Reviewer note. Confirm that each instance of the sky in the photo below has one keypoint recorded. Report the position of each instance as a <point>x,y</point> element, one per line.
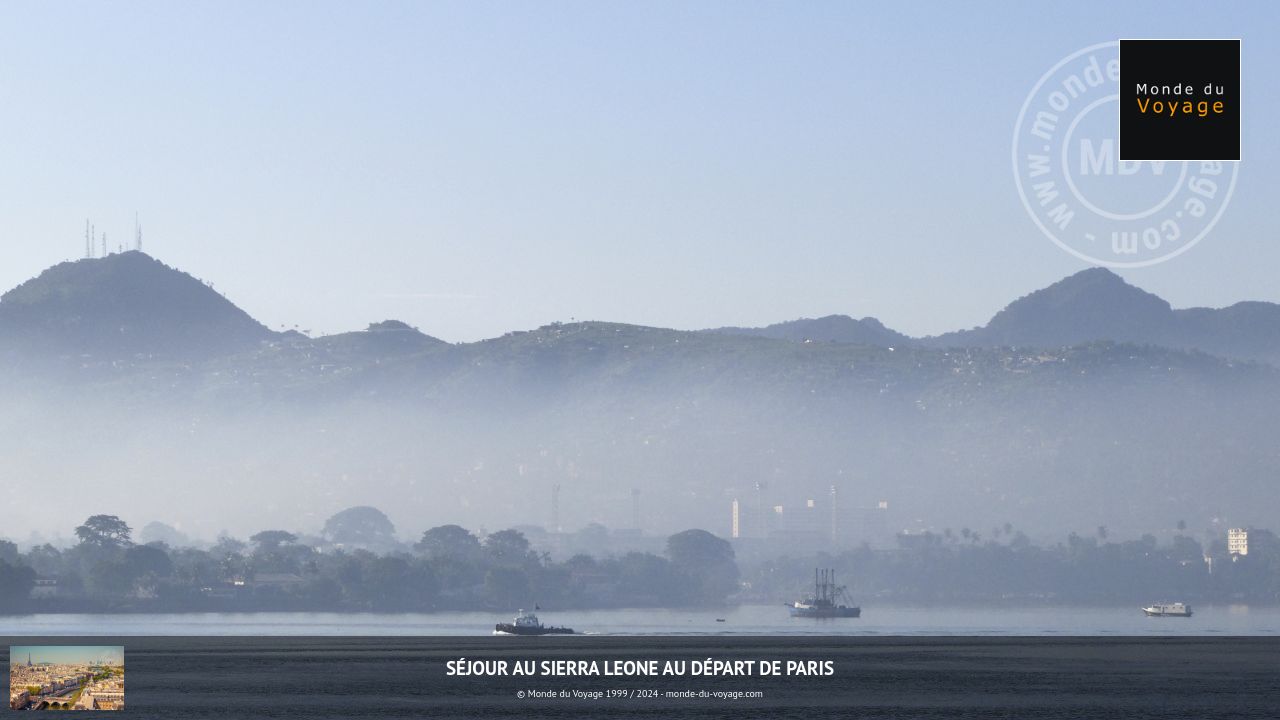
<point>66,654</point>
<point>474,168</point>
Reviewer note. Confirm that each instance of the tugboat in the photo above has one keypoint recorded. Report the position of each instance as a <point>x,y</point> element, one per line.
<point>825,600</point>
<point>1168,610</point>
<point>526,623</point>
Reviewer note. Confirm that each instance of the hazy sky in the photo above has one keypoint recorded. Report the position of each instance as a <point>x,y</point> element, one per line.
<point>473,168</point>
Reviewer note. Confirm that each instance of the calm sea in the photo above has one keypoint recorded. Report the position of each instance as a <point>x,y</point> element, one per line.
<point>754,620</point>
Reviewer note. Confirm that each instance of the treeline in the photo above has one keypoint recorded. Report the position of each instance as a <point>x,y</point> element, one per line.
<point>357,565</point>
<point>933,567</point>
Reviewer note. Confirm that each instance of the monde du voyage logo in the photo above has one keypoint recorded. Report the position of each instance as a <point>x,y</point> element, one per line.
<point>1124,152</point>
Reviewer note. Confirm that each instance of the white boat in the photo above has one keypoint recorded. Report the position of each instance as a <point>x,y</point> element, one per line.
<point>1168,610</point>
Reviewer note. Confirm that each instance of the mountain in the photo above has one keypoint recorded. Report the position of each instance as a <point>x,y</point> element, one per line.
<point>1097,305</point>
<point>1091,305</point>
<point>1094,305</point>
<point>1249,330</point>
<point>129,304</point>
<point>1014,422</point>
<point>122,306</point>
<point>832,328</point>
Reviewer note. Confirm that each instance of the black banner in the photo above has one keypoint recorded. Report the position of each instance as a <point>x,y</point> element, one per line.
<point>695,677</point>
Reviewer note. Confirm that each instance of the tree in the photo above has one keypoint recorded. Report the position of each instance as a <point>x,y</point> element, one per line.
<point>360,526</point>
<point>508,546</point>
<point>646,579</point>
<point>269,540</point>
<point>8,552</point>
<point>582,563</point>
<point>707,562</point>
<point>147,562</point>
<point>395,583</point>
<point>109,577</point>
<point>1186,549</point>
<point>507,587</point>
<point>45,559</point>
<point>16,582</point>
<point>227,545</point>
<point>698,548</point>
<point>194,567</point>
<point>276,551</point>
<point>105,531</point>
<point>156,531</point>
<point>448,541</point>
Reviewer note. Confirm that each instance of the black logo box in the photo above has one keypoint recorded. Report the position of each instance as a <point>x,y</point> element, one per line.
<point>1185,67</point>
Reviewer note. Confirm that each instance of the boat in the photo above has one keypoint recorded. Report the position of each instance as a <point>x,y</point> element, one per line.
<point>1167,610</point>
<point>827,601</point>
<point>526,623</point>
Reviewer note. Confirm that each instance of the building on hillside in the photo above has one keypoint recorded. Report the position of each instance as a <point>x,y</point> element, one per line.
<point>1238,541</point>
<point>1249,542</point>
<point>44,588</point>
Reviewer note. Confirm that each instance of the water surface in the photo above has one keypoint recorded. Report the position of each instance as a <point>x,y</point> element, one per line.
<point>743,620</point>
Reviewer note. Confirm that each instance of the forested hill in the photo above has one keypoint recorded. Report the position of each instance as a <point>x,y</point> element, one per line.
<point>1093,305</point>
<point>226,425</point>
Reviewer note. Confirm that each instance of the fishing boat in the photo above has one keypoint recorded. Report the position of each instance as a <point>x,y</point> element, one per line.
<point>827,601</point>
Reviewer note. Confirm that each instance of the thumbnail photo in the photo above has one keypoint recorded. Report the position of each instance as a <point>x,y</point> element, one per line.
<point>66,677</point>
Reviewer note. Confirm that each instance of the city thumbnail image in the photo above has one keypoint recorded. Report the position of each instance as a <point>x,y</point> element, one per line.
<point>66,677</point>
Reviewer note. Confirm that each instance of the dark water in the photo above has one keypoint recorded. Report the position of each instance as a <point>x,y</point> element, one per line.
<point>874,677</point>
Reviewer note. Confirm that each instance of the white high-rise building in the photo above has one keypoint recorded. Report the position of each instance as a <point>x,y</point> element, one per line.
<point>1238,541</point>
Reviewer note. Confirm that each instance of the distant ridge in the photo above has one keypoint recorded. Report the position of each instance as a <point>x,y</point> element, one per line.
<point>832,328</point>
<point>129,304</point>
<point>145,385</point>
<point>389,337</point>
<point>1093,305</point>
<point>123,305</point>
<point>1098,305</point>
